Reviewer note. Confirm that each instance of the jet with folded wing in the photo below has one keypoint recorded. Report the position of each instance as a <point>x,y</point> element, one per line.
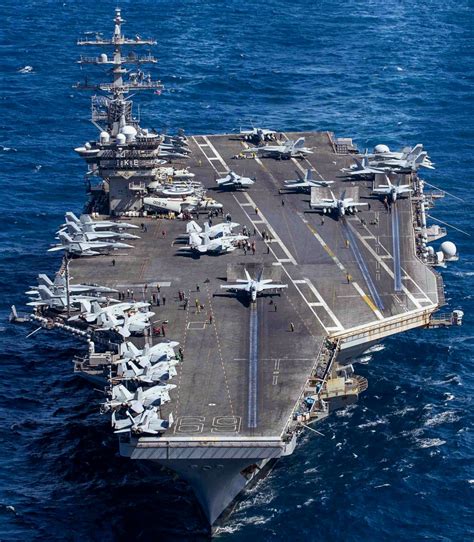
<point>304,184</point>
<point>218,230</point>
<point>257,135</point>
<point>362,168</point>
<point>85,248</point>
<point>86,220</point>
<point>253,286</point>
<point>218,245</point>
<point>339,206</point>
<point>290,149</point>
<point>148,422</point>
<point>139,400</point>
<point>233,181</point>
<point>44,297</point>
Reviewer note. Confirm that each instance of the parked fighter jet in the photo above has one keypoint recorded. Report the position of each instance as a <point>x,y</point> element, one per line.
<point>305,183</point>
<point>148,374</point>
<point>138,401</point>
<point>220,245</point>
<point>85,248</point>
<point>91,314</point>
<point>340,206</point>
<point>362,168</point>
<point>179,205</point>
<point>290,149</point>
<point>45,297</point>
<point>235,182</point>
<point>407,163</point>
<point>148,422</point>
<point>163,351</point>
<point>257,135</point>
<point>253,286</point>
<point>86,232</point>
<point>58,287</point>
<point>392,191</point>
<point>98,224</point>
<point>126,325</point>
<point>218,230</point>
<point>176,173</point>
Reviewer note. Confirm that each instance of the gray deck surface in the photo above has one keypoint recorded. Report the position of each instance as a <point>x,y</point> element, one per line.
<point>213,394</point>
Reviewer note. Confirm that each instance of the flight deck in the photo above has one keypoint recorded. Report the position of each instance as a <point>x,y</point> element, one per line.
<point>246,364</point>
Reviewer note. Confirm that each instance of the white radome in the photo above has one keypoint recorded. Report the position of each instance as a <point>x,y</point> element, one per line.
<point>449,249</point>
<point>128,130</point>
<point>120,139</point>
<point>381,149</point>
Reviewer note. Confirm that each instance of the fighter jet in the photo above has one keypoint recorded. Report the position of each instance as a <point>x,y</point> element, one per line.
<point>235,182</point>
<point>163,351</point>
<point>218,230</point>
<point>257,135</point>
<point>179,205</point>
<point>148,422</point>
<point>149,374</point>
<point>305,183</point>
<point>98,224</point>
<point>59,286</point>
<point>47,298</point>
<point>86,232</point>
<point>290,149</point>
<point>220,245</point>
<point>85,248</point>
<point>392,191</point>
<point>253,286</point>
<point>126,325</point>
<point>340,206</point>
<point>362,168</point>
<point>406,163</point>
<point>176,173</point>
<point>91,314</point>
<point>138,401</point>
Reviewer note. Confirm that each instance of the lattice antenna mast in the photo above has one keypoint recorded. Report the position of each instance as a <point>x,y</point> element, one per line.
<point>124,81</point>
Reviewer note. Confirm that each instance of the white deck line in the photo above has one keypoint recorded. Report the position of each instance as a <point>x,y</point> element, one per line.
<point>387,269</point>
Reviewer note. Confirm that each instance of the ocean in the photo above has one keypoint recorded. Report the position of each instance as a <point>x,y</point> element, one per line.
<point>395,466</point>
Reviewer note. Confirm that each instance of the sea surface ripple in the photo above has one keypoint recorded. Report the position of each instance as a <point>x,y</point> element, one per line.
<point>396,466</point>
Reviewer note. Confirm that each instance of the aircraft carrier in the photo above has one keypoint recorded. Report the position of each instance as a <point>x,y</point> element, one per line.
<point>251,375</point>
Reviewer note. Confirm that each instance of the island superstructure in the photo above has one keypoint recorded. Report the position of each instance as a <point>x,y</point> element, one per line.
<point>249,372</point>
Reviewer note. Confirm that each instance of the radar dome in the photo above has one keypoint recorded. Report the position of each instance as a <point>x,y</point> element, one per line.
<point>381,149</point>
<point>440,257</point>
<point>120,139</point>
<point>128,130</point>
<point>104,137</point>
<point>449,249</point>
<point>103,57</point>
<point>431,250</point>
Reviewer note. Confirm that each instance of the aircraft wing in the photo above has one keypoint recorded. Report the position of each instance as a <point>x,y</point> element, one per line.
<point>235,286</point>
<point>323,204</point>
<point>271,286</point>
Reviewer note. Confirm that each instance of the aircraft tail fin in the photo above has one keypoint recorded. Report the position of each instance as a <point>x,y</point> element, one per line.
<point>193,227</point>
<point>86,219</point>
<point>45,292</point>
<point>415,152</point>
<point>195,240</point>
<point>247,274</point>
<point>45,280</point>
<point>299,144</point>
<point>71,217</point>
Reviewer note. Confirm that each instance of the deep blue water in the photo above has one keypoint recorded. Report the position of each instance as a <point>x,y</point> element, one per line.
<point>396,466</point>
